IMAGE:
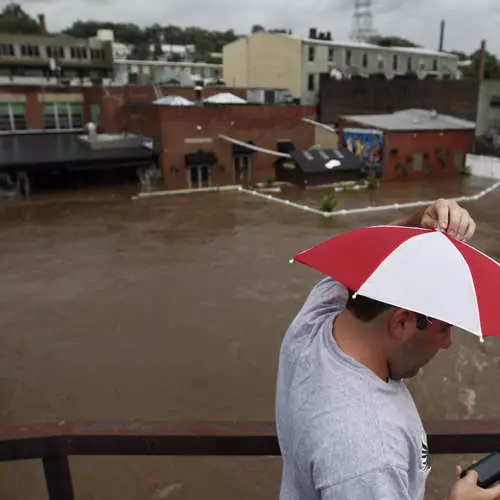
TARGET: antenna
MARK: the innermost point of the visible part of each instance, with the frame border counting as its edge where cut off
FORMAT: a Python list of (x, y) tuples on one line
[(362, 26)]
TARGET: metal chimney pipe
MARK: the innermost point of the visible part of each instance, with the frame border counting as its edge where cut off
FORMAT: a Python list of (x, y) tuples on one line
[(441, 36), (482, 61), (43, 26)]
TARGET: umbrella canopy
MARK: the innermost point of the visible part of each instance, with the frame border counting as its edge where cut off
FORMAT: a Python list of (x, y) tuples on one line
[(421, 270), (225, 98)]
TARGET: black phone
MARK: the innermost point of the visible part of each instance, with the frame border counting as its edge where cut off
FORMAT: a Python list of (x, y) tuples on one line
[(488, 470)]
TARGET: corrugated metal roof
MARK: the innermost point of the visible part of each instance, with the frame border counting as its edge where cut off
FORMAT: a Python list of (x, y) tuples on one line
[(412, 119)]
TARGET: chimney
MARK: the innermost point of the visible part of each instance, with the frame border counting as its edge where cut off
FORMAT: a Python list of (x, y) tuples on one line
[(329, 35), (482, 60), (441, 36), (197, 92), (43, 26), (313, 33)]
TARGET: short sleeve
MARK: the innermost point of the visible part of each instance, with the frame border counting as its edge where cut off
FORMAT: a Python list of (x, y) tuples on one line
[(386, 483), (327, 297)]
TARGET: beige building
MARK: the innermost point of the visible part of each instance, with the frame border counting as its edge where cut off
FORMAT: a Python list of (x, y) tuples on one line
[(40, 59), (272, 60)]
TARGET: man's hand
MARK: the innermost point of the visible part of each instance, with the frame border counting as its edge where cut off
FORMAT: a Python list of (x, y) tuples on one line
[(467, 489), (447, 216)]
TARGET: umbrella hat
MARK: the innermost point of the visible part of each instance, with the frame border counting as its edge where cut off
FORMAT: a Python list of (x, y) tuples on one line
[(421, 270)]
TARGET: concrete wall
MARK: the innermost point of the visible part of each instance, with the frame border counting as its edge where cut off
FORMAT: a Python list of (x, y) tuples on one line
[(488, 90), (362, 96), (235, 63), (484, 166), (186, 130), (265, 60)]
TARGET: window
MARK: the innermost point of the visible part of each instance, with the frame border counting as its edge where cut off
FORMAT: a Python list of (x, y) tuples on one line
[(395, 63), (55, 52), (422, 65), (96, 54), (418, 162), (410, 65), (78, 53), (365, 60), (30, 51), (348, 57), (12, 116), (312, 54), (380, 63), (331, 54), (6, 49), (310, 83), (63, 115), (435, 65)]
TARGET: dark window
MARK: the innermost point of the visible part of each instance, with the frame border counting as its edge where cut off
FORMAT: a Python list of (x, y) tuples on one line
[(12, 116), (78, 53), (365, 60), (435, 65), (50, 116), (55, 52), (395, 63), (5, 121), (84, 53), (30, 51), (348, 57), (310, 83), (76, 112), (410, 65), (330, 55), (312, 53), (6, 49), (96, 54)]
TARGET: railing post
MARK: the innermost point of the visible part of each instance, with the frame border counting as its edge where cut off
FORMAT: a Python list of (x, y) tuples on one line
[(58, 478)]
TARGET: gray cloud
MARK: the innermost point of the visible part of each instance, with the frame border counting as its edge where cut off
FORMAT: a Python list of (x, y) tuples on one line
[(468, 21)]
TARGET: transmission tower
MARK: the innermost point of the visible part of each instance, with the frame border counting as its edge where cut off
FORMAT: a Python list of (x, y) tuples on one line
[(362, 25)]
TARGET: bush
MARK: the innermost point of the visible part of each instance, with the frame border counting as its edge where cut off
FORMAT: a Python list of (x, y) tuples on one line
[(270, 180), (329, 203), (372, 181)]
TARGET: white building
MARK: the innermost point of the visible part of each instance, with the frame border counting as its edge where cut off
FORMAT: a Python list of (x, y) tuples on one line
[(275, 60)]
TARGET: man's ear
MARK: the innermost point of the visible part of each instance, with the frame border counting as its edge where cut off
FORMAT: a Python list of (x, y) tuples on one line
[(402, 324)]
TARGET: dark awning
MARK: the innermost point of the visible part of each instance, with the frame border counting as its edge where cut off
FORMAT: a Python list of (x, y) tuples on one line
[(238, 149), (201, 157), (316, 161), (286, 147)]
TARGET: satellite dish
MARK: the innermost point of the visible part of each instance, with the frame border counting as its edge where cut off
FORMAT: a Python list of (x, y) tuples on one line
[(332, 164)]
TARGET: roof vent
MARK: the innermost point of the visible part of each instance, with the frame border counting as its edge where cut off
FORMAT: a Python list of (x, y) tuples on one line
[(434, 114)]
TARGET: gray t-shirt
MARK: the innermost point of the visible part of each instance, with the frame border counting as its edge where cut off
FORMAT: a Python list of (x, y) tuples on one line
[(344, 433)]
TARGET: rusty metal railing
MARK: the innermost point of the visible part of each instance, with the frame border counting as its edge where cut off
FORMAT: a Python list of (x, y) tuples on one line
[(53, 444)]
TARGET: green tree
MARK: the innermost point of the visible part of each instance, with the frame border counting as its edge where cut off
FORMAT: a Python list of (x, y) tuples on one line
[(491, 66), (391, 41), (13, 19), (257, 28)]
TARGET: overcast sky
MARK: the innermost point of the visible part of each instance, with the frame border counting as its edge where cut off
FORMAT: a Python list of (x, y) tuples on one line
[(468, 21)]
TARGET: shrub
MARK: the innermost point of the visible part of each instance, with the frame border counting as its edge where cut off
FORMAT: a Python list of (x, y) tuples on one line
[(329, 203)]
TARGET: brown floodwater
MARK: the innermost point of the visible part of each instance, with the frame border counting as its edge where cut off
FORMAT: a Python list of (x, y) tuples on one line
[(174, 308)]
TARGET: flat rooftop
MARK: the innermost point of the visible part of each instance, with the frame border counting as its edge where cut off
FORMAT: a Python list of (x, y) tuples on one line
[(41, 151), (411, 120)]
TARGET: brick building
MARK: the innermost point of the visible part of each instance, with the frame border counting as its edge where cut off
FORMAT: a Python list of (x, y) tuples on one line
[(409, 143), (370, 96), (192, 154)]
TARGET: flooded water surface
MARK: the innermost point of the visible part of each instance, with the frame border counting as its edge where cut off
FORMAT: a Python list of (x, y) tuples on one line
[(174, 309)]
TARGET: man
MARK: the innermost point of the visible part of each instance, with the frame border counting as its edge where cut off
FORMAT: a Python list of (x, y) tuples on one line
[(347, 425)]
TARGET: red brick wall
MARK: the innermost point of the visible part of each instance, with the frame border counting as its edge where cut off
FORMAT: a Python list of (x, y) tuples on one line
[(112, 100), (409, 143), (264, 125)]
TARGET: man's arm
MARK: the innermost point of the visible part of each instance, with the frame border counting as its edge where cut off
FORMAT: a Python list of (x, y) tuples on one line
[(445, 215), (386, 483)]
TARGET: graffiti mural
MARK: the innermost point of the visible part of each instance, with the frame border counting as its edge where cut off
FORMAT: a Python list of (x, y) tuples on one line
[(367, 145)]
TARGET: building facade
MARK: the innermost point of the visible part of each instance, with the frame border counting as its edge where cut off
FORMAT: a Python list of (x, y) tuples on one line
[(192, 153), (410, 143), (45, 59), (40, 108), (284, 61)]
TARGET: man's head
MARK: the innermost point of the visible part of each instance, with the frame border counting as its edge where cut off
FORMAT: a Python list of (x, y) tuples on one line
[(414, 339)]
